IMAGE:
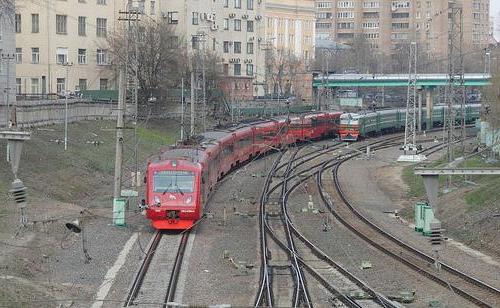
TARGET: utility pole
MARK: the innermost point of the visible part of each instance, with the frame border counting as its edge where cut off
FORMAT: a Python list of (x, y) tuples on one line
[(127, 164), (192, 102), (455, 90), (8, 121), (119, 135), (67, 65), (182, 109)]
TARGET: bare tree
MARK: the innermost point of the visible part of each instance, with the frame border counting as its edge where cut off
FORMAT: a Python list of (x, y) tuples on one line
[(282, 70), (160, 62)]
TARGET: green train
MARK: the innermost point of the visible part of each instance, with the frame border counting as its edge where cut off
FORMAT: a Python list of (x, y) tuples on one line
[(358, 125)]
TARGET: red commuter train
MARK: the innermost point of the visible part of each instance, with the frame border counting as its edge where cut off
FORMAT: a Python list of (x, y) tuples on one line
[(180, 180)]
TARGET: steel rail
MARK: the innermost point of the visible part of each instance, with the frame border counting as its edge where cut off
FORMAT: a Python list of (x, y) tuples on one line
[(413, 250), (265, 275), (349, 302), (174, 277), (143, 269), (300, 285)]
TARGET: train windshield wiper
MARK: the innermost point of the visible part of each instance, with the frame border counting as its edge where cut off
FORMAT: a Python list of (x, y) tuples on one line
[(179, 189)]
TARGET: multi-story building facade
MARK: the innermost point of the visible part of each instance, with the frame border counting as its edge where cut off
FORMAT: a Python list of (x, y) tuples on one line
[(290, 29), (232, 29), (62, 45), (386, 23)]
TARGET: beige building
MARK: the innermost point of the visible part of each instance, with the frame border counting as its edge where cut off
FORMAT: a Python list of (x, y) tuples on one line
[(233, 29), (385, 23), (290, 29), (61, 45)]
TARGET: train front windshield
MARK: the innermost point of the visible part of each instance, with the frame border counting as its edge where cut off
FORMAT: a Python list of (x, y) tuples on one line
[(173, 181)]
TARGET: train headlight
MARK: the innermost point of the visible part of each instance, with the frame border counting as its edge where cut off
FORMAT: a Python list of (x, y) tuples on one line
[(157, 201), (188, 200)]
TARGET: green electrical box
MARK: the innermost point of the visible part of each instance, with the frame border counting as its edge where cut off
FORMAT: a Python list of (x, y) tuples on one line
[(119, 209), (428, 214), (419, 216)]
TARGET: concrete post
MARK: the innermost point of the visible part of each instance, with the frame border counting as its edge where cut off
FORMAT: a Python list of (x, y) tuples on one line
[(419, 122), (429, 106)]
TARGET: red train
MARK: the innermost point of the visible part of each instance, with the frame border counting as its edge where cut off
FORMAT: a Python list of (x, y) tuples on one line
[(179, 180)]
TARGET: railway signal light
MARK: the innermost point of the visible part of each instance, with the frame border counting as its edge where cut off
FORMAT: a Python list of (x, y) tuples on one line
[(436, 236), (18, 191)]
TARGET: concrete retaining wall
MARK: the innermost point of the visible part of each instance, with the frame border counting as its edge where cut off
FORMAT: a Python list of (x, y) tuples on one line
[(47, 112)]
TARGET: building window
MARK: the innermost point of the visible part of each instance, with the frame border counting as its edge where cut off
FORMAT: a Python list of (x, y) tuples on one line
[(18, 86), (101, 2), (226, 3), (249, 69), (101, 27), (172, 42), (19, 55), (345, 25), (226, 23), (370, 25), (61, 55), (250, 48), (152, 7), (250, 25), (35, 87), (195, 43), (35, 26), (195, 18), (237, 4), (81, 26), (323, 25), (225, 69), (402, 4), (400, 25), (371, 5), (82, 84), (401, 15), (35, 55), (237, 47), (103, 84), (237, 25), (61, 24), (102, 58), (237, 69), (225, 46), (345, 4), (373, 15), (60, 85), (82, 56), (173, 17), (18, 23), (249, 4), (345, 15), (324, 5)]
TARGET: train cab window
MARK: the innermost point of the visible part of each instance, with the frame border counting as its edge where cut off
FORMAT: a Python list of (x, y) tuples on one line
[(228, 150), (173, 181)]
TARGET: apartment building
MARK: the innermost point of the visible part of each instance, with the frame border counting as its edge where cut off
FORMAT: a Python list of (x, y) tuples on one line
[(385, 23), (290, 28), (62, 45), (233, 29)]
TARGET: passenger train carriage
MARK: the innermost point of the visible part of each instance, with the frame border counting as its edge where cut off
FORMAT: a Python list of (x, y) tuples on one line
[(359, 125), (179, 180)]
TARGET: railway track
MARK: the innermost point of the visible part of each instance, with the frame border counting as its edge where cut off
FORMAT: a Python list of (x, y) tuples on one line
[(302, 253), (468, 287), (157, 276)]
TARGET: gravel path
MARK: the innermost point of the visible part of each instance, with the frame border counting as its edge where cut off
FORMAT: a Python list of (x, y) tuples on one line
[(224, 261)]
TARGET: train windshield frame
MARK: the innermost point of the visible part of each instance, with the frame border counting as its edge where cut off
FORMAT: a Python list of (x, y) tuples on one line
[(173, 181)]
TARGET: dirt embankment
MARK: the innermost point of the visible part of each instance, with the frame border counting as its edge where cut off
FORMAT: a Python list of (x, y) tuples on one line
[(477, 227), (44, 261)]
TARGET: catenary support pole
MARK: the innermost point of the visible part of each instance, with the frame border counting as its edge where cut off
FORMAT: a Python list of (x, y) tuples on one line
[(119, 135)]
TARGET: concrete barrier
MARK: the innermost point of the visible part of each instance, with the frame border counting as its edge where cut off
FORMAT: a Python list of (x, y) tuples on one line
[(48, 112)]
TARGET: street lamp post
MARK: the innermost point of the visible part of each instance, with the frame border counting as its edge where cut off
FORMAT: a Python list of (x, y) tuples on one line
[(67, 65)]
